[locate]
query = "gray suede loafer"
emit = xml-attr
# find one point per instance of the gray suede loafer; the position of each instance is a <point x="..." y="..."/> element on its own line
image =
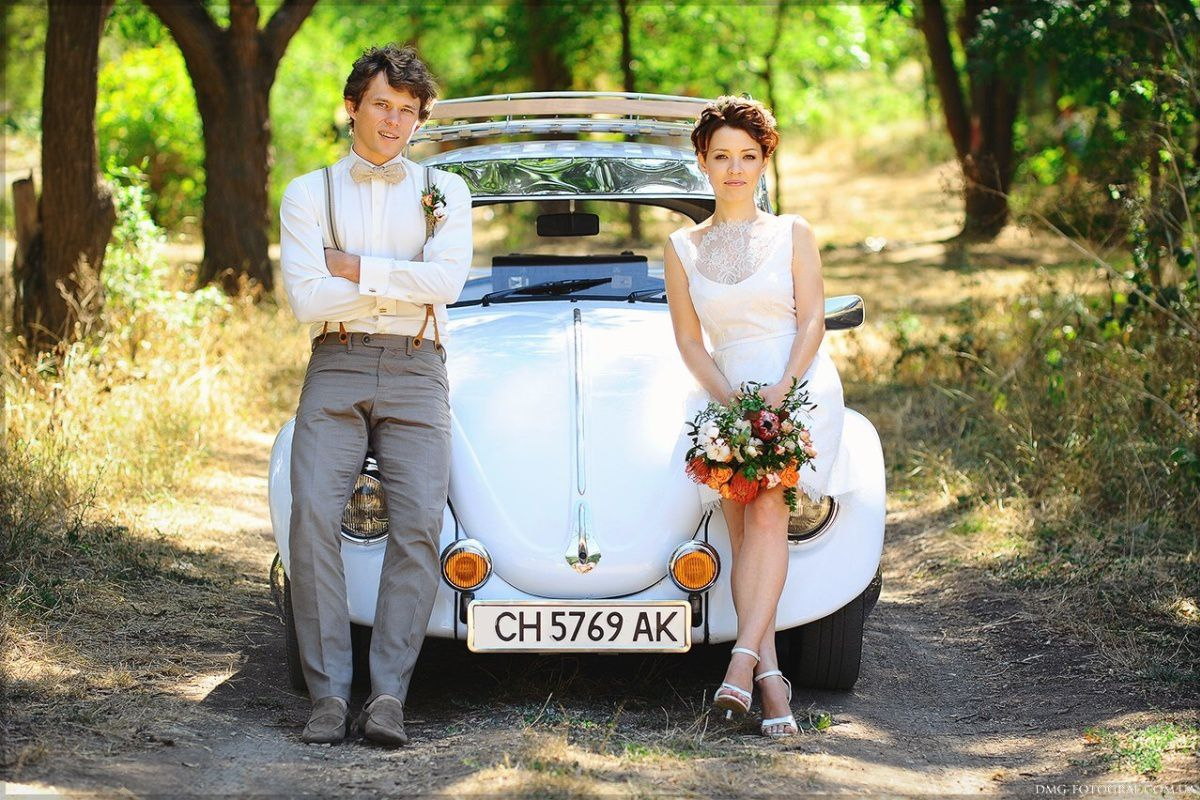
<point x="382" y="721"/>
<point x="327" y="723"/>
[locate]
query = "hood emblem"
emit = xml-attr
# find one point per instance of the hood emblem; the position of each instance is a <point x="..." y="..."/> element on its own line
<point x="582" y="551"/>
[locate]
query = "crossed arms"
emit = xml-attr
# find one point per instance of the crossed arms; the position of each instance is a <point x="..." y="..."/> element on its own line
<point x="333" y="285"/>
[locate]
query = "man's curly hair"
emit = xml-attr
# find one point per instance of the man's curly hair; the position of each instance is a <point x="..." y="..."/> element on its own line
<point x="742" y="113"/>
<point x="405" y="70"/>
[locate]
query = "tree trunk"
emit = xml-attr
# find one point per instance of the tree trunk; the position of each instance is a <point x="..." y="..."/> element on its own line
<point x="985" y="198"/>
<point x="25" y="230"/>
<point x="236" y="210"/>
<point x="769" y="78"/>
<point x="982" y="132"/>
<point x="58" y="279"/>
<point x="550" y="71"/>
<point x="629" y="84"/>
<point x="232" y="70"/>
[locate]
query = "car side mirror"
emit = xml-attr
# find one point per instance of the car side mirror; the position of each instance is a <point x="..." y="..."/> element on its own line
<point x="574" y="224"/>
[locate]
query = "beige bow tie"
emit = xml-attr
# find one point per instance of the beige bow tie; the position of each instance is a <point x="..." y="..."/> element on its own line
<point x="390" y="173"/>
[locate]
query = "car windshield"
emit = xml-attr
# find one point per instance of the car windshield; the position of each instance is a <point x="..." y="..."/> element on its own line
<point x="568" y="249"/>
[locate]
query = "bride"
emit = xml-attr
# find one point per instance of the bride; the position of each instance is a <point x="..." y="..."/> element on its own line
<point x="751" y="281"/>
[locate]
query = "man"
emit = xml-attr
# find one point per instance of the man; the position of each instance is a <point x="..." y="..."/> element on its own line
<point x="351" y="268"/>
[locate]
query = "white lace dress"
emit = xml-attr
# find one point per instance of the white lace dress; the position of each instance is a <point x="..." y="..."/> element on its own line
<point x="740" y="281"/>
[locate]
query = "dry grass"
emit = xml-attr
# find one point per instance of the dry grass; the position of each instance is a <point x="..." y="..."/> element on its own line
<point x="119" y="592"/>
<point x="1053" y="445"/>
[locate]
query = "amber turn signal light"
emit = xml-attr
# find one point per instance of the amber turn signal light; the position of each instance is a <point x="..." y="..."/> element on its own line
<point x="694" y="566"/>
<point x="466" y="565"/>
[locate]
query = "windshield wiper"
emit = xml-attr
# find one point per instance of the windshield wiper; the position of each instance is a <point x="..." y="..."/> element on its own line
<point x="646" y="294"/>
<point x="546" y="288"/>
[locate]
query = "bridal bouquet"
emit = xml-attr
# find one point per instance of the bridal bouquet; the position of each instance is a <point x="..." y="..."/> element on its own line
<point x="746" y="446"/>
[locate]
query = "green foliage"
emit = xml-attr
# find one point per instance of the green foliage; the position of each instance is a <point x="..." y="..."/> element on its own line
<point x="1070" y="423"/>
<point x="1115" y="152"/>
<point x="24" y="39"/>
<point x="139" y="303"/>
<point x="1074" y="397"/>
<point x="146" y="118"/>
<point x="1142" y="750"/>
<point x="836" y="73"/>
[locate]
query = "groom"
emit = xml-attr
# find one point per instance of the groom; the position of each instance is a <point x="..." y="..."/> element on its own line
<point x="371" y="258"/>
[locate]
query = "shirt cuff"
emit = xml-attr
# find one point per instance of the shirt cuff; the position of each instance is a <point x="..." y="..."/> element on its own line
<point x="373" y="275"/>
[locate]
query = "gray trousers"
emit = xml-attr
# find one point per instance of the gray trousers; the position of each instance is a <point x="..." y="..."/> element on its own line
<point x="377" y="391"/>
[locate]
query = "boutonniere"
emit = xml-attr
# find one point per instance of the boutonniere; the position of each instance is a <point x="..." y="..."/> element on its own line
<point x="432" y="203"/>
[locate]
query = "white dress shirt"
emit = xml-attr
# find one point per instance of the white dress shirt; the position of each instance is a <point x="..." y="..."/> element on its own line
<point x="384" y="224"/>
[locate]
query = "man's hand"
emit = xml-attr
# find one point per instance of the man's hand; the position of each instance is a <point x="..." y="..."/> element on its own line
<point x="342" y="265"/>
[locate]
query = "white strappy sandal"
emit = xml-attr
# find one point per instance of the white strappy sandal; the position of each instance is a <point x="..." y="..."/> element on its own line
<point x="730" y="698"/>
<point x="789" y="720"/>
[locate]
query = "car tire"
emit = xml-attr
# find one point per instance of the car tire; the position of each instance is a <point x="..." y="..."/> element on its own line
<point x="873" y="590"/>
<point x="291" y="641"/>
<point x="825" y="653"/>
<point x="360" y="644"/>
<point x="360" y="641"/>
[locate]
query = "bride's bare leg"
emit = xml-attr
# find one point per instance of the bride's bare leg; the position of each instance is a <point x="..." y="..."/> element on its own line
<point x="758" y="536"/>
<point x="774" y="691"/>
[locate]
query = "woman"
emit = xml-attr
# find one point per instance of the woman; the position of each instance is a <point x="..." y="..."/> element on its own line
<point x="751" y="281"/>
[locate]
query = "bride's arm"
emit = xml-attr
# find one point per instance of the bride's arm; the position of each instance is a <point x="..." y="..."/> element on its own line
<point x="689" y="337"/>
<point x="810" y="309"/>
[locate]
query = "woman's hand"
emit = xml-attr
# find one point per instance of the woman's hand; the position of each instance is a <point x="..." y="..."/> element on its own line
<point x="773" y="395"/>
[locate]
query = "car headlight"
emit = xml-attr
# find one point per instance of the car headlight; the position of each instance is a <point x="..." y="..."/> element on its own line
<point x="811" y="519"/>
<point x="365" y="518"/>
<point x="694" y="566"/>
<point x="466" y="565"/>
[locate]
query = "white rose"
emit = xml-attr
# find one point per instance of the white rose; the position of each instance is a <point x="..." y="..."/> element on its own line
<point x="751" y="451"/>
<point x="787" y="426"/>
<point x="789" y="445"/>
<point x="713" y="452"/>
<point x="725" y="453"/>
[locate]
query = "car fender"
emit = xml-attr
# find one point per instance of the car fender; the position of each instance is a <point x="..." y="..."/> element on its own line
<point x="832" y="569"/>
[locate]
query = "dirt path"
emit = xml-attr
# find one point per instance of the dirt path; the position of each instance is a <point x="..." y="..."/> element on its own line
<point x="962" y="692"/>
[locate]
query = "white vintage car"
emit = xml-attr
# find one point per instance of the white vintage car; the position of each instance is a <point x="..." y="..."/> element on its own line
<point x="570" y="523"/>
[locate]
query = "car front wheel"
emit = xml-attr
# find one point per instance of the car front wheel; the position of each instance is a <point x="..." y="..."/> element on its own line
<point x="291" y="642"/>
<point x="360" y="641"/>
<point x="826" y="653"/>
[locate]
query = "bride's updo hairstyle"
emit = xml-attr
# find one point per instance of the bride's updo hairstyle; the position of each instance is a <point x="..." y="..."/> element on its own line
<point x="743" y="113"/>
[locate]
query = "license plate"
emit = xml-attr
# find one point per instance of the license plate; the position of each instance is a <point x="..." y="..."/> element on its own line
<point x="610" y="626"/>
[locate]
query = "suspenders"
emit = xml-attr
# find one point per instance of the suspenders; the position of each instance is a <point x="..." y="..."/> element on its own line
<point x="343" y="335"/>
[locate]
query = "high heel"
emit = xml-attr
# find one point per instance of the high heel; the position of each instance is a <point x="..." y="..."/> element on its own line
<point x="730" y="698"/>
<point x="789" y="720"/>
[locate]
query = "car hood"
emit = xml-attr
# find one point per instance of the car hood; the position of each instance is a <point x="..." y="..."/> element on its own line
<point x="568" y="417"/>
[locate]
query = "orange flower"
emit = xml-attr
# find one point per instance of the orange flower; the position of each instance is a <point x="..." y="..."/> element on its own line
<point x="742" y="489"/>
<point x="697" y="469"/>
<point x="790" y="476"/>
<point x="718" y="477"/>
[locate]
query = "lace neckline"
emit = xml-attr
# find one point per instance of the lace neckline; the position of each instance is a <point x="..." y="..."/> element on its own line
<point x="731" y="252"/>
